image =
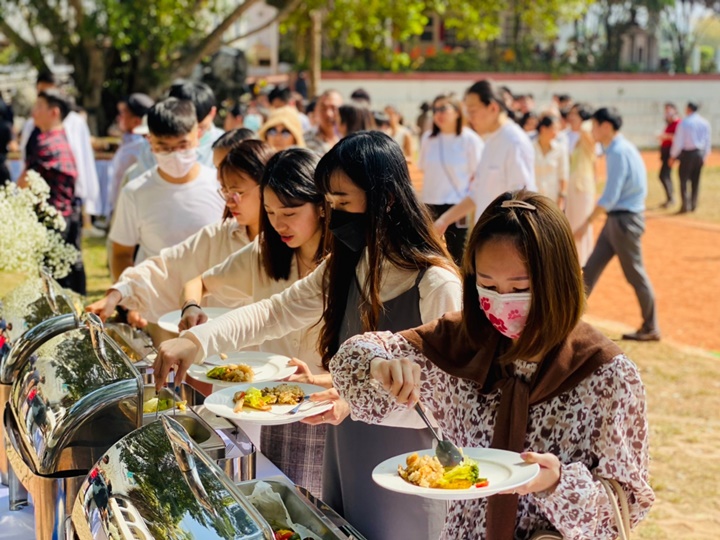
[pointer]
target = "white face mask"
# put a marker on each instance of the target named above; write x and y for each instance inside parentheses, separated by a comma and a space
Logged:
(508, 313)
(176, 164)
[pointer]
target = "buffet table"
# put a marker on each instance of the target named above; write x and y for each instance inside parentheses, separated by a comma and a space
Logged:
(20, 525)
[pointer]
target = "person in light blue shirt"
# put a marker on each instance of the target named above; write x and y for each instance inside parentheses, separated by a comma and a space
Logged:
(623, 201)
(691, 147)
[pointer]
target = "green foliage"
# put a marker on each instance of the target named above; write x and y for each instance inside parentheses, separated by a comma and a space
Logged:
(376, 34)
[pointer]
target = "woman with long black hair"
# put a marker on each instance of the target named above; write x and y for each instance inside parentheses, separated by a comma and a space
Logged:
(289, 247)
(387, 270)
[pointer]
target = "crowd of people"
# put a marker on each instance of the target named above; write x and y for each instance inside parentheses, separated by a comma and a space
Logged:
(465, 295)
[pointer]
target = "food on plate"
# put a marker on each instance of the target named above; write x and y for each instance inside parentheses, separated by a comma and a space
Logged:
(262, 400)
(231, 373)
(251, 398)
(426, 471)
(283, 394)
(286, 534)
(158, 405)
(223, 356)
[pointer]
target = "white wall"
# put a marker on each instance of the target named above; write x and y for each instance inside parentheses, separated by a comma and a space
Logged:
(640, 99)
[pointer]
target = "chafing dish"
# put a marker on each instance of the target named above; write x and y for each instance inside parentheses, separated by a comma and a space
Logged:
(158, 483)
(34, 312)
(76, 396)
(136, 344)
(305, 509)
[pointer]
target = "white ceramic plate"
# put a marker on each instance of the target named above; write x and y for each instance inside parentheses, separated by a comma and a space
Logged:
(222, 404)
(504, 471)
(266, 367)
(170, 321)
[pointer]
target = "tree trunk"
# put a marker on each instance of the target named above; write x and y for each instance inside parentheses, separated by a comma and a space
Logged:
(316, 53)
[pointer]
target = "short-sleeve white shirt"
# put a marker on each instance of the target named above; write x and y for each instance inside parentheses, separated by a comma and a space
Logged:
(156, 214)
(507, 164)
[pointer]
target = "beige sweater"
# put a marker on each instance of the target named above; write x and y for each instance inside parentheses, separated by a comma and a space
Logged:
(154, 286)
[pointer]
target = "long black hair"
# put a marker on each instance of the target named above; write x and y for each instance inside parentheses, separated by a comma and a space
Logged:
(399, 229)
(290, 174)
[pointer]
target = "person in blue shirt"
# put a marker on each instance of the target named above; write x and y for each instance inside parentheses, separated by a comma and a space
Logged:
(623, 201)
(691, 147)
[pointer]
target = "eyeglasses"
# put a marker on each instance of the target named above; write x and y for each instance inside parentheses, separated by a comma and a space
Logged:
(442, 108)
(274, 131)
(230, 194)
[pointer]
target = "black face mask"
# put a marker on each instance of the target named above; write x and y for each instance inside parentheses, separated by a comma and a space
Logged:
(349, 228)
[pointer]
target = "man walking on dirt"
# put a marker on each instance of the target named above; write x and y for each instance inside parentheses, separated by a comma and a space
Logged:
(691, 147)
(623, 200)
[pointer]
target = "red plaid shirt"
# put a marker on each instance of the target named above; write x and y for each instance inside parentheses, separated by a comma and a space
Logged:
(52, 158)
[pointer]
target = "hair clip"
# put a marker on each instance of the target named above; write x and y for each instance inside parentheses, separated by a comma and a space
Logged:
(513, 203)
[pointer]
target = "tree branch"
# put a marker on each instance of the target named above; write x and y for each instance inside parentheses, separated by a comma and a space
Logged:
(79, 12)
(31, 52)
(212, 41)
(280, 16)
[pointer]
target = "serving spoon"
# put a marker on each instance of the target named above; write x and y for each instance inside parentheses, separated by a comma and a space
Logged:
(446, 452)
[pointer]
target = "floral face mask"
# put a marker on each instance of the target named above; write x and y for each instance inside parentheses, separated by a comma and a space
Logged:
(507, 312)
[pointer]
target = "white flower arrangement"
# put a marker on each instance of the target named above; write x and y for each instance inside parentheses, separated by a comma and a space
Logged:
(30, 230)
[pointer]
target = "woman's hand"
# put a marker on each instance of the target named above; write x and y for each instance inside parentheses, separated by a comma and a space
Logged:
(338, 413)
(174, 354)
(136, 320)
(441, 226)
(303, 374)
(401, 378)
(193, 316)
(105, 307)
(548, 478)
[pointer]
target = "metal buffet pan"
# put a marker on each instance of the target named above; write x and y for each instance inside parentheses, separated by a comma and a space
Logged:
(223, 440)
(157, 483)
(69, 404)
(35, 311)
(306, 510)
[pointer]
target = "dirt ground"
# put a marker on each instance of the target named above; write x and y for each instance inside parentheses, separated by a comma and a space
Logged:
(682, 257)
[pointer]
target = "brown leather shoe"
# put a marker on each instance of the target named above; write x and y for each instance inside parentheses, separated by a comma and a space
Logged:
(641, 335)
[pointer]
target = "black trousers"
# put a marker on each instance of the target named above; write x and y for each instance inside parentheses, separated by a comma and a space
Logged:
(75, 280)
(691, 163)
(454, 236)
(666, 173)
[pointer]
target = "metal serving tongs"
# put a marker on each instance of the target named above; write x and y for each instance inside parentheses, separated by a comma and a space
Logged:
(447, 453)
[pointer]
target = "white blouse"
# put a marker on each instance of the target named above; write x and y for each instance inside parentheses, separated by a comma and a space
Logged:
(448, 162)
(301, 305)
(241, 276)
(551, 168)
(154, 286)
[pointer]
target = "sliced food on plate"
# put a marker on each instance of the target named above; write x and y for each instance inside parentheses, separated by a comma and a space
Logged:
(263, 400)
(426, 471)
(232, 373)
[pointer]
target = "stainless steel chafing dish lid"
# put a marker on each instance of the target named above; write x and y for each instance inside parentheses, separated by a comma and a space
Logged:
(78, 391)
(28, 310)
(157, 483)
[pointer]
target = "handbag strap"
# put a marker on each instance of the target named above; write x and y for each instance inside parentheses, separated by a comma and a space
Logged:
(619, 504)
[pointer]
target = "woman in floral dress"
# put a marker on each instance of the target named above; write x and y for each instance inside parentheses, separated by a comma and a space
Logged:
(517, 370)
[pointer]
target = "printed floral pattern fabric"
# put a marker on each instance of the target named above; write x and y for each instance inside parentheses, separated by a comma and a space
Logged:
(598, 427)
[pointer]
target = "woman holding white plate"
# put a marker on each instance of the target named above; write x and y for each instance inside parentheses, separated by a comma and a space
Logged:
(517, 370)
(387, 270)
(153, 287)
(289, 247)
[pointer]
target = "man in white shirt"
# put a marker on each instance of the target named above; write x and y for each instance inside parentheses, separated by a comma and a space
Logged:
(203, 99)
(130, 114)
(171, 201)
(691, 147)
(87, 187)
(508, 159)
